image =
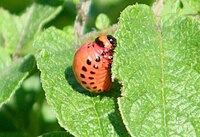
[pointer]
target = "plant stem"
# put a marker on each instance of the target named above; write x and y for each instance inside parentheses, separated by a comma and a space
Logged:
(79, 25)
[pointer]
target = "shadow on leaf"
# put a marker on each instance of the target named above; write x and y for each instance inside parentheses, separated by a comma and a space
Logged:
(115, 117)
(117, 122)
(27, 64)
(69, 76)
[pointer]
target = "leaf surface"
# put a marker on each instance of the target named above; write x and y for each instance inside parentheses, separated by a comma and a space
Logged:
(5, 59)
(158, 66)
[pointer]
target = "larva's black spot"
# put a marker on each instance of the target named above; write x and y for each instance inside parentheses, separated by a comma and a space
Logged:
(84, 68)
(87, 87)
(99, 90)
(95, 66)
(88, 47)
(88, 62)
(83, 82)
(91, 83)
(92, 72)
(94, 87)
(91, 77)
(98, 42)
(103, 53)
(109, 65)
(97, 59)
(112, 40)
(82, 75)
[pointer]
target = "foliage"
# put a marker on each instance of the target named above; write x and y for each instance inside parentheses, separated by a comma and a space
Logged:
(156, 62)
(102, 21)
(161, 83)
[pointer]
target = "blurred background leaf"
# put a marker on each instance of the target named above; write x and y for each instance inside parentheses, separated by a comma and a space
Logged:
(13, 75)
(24, 112)
(102, 21)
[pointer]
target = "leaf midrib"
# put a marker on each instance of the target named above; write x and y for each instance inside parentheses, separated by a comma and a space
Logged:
(162, 78)
(99, 122)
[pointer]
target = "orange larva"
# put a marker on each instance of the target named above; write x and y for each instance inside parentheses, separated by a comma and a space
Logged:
(92, 64)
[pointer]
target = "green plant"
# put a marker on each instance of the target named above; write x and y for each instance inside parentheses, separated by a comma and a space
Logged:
(157, 63)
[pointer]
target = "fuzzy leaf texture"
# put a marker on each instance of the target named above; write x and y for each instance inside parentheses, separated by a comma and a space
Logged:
(158, 66)
(78, 111)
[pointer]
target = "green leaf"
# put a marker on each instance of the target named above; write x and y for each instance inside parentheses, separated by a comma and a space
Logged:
(19, 31)
(5, 59)
(102, 21)
(8, 29)
(78, 111)
(12, 76)
(158, 67)
(33, 19)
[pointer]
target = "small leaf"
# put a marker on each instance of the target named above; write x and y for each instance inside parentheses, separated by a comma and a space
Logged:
(12, 76)
(76, 2)
(68, 30)
(157, 66)
(78, 111)
(102, 21)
